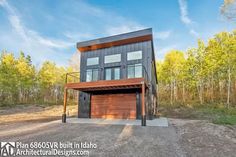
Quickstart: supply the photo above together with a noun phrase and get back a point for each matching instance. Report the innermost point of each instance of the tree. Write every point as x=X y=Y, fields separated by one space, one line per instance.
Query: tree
x=171 y=71
x=201 y=70
x=8 y=78
x=228 y=9
x=228 y=48
x=51 y=81
x=20 y=82
x=206 y=74
x=26 y=76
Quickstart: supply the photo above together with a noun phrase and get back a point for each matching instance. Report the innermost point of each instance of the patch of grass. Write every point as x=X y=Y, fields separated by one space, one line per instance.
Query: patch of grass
x=216 y=113
x=225 y=119
x=220 y=115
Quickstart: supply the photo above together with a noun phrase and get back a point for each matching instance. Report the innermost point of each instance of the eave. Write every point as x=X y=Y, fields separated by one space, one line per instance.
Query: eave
x=116 y=40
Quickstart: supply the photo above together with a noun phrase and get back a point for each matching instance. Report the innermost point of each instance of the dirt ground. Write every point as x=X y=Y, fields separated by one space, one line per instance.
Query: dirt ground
x=34 y=113
x=181 y=138
x=201 y=138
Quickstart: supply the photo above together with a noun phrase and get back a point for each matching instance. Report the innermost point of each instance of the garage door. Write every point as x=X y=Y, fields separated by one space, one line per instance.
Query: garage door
x=114 y=106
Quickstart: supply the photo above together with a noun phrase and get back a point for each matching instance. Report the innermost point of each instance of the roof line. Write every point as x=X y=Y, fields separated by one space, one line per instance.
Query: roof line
x=119 y=37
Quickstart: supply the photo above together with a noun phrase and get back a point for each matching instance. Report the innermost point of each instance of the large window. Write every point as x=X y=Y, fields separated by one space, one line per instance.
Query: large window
x=93 y=61
x=135 y=71
x=134 y=55
x=113 y=58
x=112 y=73
x=91 y=75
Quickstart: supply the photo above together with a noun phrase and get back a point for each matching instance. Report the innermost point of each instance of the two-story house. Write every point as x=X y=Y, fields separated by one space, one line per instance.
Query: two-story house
x=117 y=77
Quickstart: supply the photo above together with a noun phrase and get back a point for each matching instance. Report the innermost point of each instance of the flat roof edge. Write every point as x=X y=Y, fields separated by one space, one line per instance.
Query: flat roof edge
x=119 y=37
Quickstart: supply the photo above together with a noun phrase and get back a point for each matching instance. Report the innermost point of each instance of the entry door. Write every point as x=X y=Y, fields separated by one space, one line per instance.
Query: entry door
x=112 y=73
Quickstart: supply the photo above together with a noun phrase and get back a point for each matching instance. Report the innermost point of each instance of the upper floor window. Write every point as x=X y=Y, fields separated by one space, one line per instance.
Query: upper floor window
x=135 y=71
x=92 y=61
x=134 y=55
x=113 y=58
x=112 y=73
x=91 y=75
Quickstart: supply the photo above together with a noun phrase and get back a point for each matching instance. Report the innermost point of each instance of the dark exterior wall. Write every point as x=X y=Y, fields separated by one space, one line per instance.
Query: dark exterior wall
x=147 y=59
x=145 y=47
x=84 y=105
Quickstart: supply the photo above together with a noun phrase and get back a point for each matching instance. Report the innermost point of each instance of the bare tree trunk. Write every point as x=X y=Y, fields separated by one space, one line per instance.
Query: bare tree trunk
x=208 y=95
x=56 y=94
x=234 y=92
x=212 y=87
x=183 y=91
x=229 y=86
x=171 y=94
x=175 y=91
x=220 y=88
x=200 y=91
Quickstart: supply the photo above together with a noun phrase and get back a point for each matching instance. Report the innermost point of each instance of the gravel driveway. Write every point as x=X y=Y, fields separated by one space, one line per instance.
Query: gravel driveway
x=181 y=138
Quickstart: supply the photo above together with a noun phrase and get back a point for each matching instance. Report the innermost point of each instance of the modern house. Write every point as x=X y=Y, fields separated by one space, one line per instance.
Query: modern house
x=117 y=77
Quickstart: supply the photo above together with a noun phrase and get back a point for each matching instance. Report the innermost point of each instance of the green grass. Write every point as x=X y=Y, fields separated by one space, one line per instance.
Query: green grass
x=220 y=115
x=216 y=113
x=225 y=119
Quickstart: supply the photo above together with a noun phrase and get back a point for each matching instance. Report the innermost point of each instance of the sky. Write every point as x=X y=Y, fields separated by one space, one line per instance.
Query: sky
x=49 y=30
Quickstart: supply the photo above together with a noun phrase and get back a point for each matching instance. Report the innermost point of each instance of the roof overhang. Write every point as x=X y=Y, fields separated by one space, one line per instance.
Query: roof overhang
x=117 y=40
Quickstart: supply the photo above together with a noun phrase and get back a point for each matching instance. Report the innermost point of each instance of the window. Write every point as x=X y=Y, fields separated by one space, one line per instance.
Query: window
x=134 y=55
x=131 y=71
x=112 y=73
x=116 y=73
x=135 y=71
x=95 y=75
x=91 y=75
x=113 y=58
x=92 y=61
x=108 y=74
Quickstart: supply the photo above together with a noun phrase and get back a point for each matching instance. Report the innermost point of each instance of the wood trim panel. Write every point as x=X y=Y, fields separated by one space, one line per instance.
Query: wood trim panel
x=118 y=106
x=106 y=84
x=116 y=43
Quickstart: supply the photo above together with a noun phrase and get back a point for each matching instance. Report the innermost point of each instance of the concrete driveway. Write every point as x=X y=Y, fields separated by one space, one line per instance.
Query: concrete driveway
x=161 y=122
x=180 y=138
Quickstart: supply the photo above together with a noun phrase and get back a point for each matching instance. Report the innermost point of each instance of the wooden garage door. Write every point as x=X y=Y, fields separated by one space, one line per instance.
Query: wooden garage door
x=114 y=106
